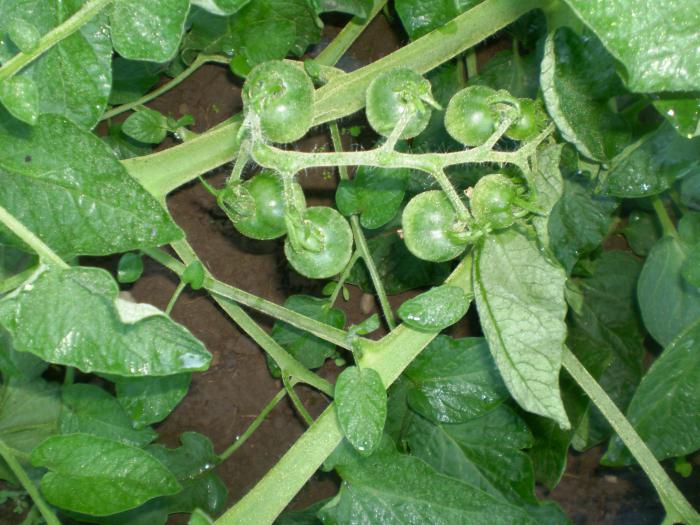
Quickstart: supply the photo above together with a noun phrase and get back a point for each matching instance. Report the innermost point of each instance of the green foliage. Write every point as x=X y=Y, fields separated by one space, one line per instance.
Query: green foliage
x=95 y=475
x=360 y=403
x=435 y=309
x=99 y=332
x=146 y=125
x=92 y=206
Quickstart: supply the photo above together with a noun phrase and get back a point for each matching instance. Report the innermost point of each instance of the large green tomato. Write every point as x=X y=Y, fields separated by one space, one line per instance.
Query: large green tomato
x=282 y=96
x=396 y=93
x=470 y=118
x=328 y=246
x=267 y=220
x=428 y=222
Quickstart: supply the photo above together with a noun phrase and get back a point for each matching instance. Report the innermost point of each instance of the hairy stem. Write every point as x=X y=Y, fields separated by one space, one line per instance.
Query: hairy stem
x=298 y=405
x=361 y=241
x=28 y=484
x=194 y=66
x=675 y=503
x=176 y=295
x=31 y=240
x=240 y=440
x=162 y=172
x=87 y=12
x=343 y=277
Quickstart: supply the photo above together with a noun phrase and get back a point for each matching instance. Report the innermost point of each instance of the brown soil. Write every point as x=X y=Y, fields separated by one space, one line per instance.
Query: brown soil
x=223 y=401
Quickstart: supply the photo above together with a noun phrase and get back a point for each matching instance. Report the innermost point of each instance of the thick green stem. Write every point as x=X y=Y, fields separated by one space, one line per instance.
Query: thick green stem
x=253 y=426
x=31 y=240
x=87 y=12
x=675 y=503
x=28 y=484
x=162 y=172
x=389 y=356
x=194 y=66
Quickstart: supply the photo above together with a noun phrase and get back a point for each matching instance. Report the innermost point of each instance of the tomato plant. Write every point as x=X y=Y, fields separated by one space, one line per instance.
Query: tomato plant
x=500 y=184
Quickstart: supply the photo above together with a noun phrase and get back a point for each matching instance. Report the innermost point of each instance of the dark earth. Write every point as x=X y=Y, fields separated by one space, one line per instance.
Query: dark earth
x=223 y=401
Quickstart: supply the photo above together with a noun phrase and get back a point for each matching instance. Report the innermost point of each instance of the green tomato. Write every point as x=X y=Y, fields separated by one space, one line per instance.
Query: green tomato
x=282 y=95
x=492 y=201
x=529 y=122
x=267 y=218
x=428 y=221
x=396 y=93
x=470 y=118
x=329 y=252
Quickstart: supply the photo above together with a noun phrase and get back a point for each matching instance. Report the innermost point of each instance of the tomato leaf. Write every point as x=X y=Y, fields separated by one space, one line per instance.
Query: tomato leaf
x=547 y=185
x=96 y=476
x=435 y=309
x=642 y=232
x=149 y=400
x=454 y=380
x=520 y=299
x=485 y=451
x=422 y=16
x=221 y=7
x=73 y=78
x=652 y=164
x=66 y=186
x=683 y=112
x=146 y=125
x=29 y=412
x=131 y=79
x=664 y=407
x=20 y=96
x=396 y=489
x=359 y=8
x=361 y=404
x=578 y=78
x=646 y=39
x=92 y=330
x=88 y=409
x=669 y=304
x=148 y=30
x=579 y=222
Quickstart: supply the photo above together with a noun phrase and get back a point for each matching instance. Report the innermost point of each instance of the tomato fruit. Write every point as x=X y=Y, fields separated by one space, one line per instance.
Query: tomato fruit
x=492 y=201
x=396 y=93
x=328 y=251
x=266 y=219
x=470 y=118
x=282 y=95
x=427 y=221
x=529 y=122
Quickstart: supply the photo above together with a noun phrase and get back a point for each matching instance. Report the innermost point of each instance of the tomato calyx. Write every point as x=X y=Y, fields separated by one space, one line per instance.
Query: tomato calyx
x=496 y=202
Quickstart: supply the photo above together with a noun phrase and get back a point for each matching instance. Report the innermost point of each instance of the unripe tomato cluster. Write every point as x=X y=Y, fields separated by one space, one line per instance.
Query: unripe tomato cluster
x=278 y=99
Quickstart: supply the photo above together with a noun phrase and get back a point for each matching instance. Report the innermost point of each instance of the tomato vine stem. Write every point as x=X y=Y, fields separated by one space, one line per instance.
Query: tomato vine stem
x=34 y=242
x=674 y=502
x=87 y=12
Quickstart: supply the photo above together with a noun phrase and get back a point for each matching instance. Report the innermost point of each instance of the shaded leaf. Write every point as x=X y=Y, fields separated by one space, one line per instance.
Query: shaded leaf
x=669 y=304
x=392 y=489
x=308 y=349
x=94 y=331
x=454 y=380
x=519 y=75
x=359 y=8
x=132 y=79
x=664 y=408
x=422 y=16
x=642 y=232
x=150 y=400
x=652 y=164
x=88 y=409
